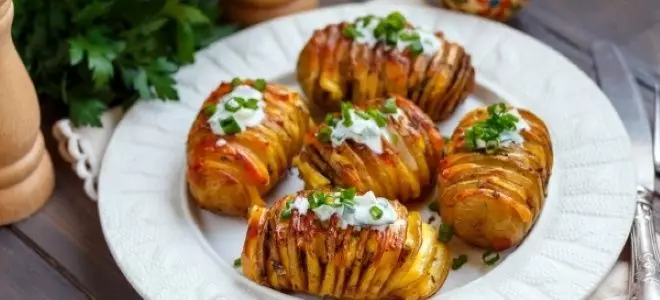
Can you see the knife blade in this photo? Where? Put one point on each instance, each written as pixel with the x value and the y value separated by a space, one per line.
pixel 617 82
pixel 619 85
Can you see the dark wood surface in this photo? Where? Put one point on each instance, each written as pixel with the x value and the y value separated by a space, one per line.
pixel 60 252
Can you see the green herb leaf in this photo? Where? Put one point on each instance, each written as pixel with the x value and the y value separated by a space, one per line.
pixel 490 257
pixel 251 104
pixel 378 117
pixel 92 11
pixel 346 108
pixel 330 120
pixel 237 262
pixel 230 126
pixel 211 109
pixel 325 134
pixel 260 85
pixel 236 82
pixel 76 52
pixel 185 38
pixel 389 106
pixel 232 105
pixel 286 212
pixel 459 261
pixel 376 212
pixel 445 233
pixel 351 32
pixel 86 111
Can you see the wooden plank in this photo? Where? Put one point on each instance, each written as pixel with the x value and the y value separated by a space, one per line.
pixel 67 228
pixel 25 275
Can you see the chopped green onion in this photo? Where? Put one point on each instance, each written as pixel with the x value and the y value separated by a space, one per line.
pixel 396 20
pixel 389 106
pixel 237 262
pixel 235 82
pixel 330 120
pixel 325 134
pixel 445 233
pixel 351 32
pixel 362 115
pixel 378 117
pixel 490 257
pixel 416 48
pixel 230 126
pixel 210 110
pixel 459 261
pixel 260 85
pixel 232 106
pixel 366 20
pixel 251 104
pixel 346 107
pixel 391 38
pixel 409 36
pixel 286 213
pixel 348 194
pixel 486 133
pixel 446 138
pixel 433 206
pixel 376 212
pixel 496 109
pixel 239 100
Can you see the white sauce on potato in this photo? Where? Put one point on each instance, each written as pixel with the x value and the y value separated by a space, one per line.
pixel 430 42
pixel 358 215
pixel 362 131
pixel 245 117
pixel 507 138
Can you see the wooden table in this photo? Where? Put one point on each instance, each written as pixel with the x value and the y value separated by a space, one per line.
pixel 60 252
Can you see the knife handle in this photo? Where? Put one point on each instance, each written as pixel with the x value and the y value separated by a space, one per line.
pixel 646 263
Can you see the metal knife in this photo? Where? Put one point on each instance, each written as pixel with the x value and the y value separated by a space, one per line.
pixel 617 82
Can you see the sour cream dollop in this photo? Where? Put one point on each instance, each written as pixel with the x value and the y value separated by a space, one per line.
pixel 245 117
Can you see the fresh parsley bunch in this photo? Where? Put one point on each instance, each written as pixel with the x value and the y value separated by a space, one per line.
pixel 99 53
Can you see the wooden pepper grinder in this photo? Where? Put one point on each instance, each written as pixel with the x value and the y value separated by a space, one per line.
pixel 26 171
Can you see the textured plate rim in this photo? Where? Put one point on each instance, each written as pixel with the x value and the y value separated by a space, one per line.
pixel 575 172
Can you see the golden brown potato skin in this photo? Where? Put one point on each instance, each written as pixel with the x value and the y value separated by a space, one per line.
pixel 331 68
pixel 232 178
pixel 299 254
pixel 404 171
pixel 492 200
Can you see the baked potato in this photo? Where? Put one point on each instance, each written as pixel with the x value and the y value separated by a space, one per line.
pixel 379 57
pixel 298 246
pixel 492 190
pixel 398 162
pixel 232 164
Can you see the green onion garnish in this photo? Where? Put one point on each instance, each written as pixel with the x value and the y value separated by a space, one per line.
pixel 433 206
pixel 232 105
pixel 445 233
pixel 459 261
pixel 251 104
pixel 260 85
pixel 392 38
pixel 488 131
pixel 409 36
pixel 416 48
pixel 237 262
pixel 376 212
pixel 378 117
pixel 286 213
pixel 346 107
pixel 230 126
pixel 210 110
pixel 490 257
pixel 325 134
pixel 348 194
pixel 366 20
pixel 446 138
pixel 362 115
pixel 235 82
pixel 351 32
pixel 330 120
pixel 389 106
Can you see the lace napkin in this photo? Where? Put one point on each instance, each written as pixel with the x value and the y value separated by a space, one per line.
pixel 84 149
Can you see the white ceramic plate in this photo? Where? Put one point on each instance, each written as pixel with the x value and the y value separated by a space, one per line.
pixel 169 249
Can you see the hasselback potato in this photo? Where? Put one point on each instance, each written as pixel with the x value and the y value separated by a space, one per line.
pixel 340 244
pixel 494 176
pixel 392 149
pixel 378 57
pixel 242 143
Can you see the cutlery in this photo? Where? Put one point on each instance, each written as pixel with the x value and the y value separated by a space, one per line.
pixel 617 82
